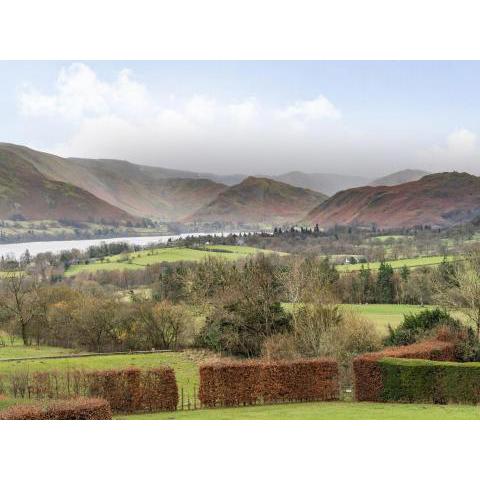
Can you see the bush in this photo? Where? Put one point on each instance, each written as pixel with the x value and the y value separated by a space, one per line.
pixel 239 328
pixel 423 381
pixel 251 382
pixel 416 326
pixel 368 380
pixel 73 409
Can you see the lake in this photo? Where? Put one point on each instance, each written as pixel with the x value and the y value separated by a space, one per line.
pixel 17 249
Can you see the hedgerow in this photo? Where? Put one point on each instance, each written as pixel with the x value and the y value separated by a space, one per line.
pixel 250 382
pixel 425 381
pixel 133 389
pixel 72 409
pixel 127 390
pixel 368 379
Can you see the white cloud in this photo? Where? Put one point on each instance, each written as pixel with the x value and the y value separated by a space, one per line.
pixel 460 151
pixel 79 93
pixel 121 118
pixel 311 110
pixel 461 142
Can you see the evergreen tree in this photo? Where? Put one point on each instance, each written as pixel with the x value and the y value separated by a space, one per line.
pixel 385 284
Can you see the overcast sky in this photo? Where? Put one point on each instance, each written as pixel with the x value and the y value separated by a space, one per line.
pixel 363 118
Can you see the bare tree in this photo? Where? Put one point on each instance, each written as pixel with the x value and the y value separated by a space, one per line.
pixel 457 287
pixel 17 299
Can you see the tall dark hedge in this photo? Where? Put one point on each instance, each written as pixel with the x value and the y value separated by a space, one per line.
pixel 426 381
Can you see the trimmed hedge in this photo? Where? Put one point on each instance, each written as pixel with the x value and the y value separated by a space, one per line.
pixel 133 389
pixel 368 379
pixel 73 409
pixel 424 381
pixel 127 390
pixel 250 382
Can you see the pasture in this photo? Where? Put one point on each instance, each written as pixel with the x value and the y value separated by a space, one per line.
pixel 382 315
pixel 323 411
pixel 397 264
pixel 144 258
pixel 184 364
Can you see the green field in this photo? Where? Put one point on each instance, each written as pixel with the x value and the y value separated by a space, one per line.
pixel 396 264
pixel 324 411
pixel 186 369
pixel 383 315
pixel 18 350
pixel 136 260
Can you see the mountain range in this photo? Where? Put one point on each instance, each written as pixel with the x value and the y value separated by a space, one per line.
pixel 36 185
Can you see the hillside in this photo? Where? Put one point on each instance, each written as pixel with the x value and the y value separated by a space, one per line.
pixel 259 201
pixel 440 199
pixel 27 193
pixel 403 176
pixel 139 190
pixel 327 183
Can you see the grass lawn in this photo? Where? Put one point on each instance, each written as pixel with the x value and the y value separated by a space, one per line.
pixel 186 370
pixel 136 260
pixel 396 264
pixel 324 411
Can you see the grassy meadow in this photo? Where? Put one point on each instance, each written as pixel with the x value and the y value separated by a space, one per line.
pixel 144 258
pixel 382 315
pixel 396 264
pixel 185 366
pixel 323 411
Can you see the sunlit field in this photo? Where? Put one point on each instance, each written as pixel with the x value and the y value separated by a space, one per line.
pixel 144 258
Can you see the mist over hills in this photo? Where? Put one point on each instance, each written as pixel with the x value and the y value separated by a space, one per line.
pixel 259 200
pixel 396 178
pixel 327 183
pixel 26 193
pixel 38 185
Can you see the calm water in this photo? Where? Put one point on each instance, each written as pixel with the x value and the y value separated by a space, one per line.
pixel 16 249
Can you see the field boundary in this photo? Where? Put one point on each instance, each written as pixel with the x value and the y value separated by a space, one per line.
pixel 83 355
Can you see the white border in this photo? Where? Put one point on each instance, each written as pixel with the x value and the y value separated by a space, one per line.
pixel 239 29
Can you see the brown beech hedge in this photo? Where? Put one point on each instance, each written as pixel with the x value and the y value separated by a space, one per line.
pixel 233 383
pixel 133 389
pixel 127 390
pixel 368 380
pixel 73 409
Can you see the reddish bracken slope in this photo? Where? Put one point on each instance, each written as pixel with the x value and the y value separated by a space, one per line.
pixel 440 199
pixel 259 200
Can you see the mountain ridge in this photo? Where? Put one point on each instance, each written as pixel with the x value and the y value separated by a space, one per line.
pixel 440 199
pixel 258 200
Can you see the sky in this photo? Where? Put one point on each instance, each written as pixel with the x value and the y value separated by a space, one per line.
pixel 259 117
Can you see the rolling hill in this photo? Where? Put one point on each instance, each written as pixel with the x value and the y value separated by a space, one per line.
pixel 440 199
pixel 403 176
pixel 25 193
pixel 140 190
pixel 258 201
pixel 327 183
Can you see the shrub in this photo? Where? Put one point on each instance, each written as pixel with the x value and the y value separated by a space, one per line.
pixel 251 382
pixel 416 326
pixel 73 409
pixel 429 381
pixel 368 381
